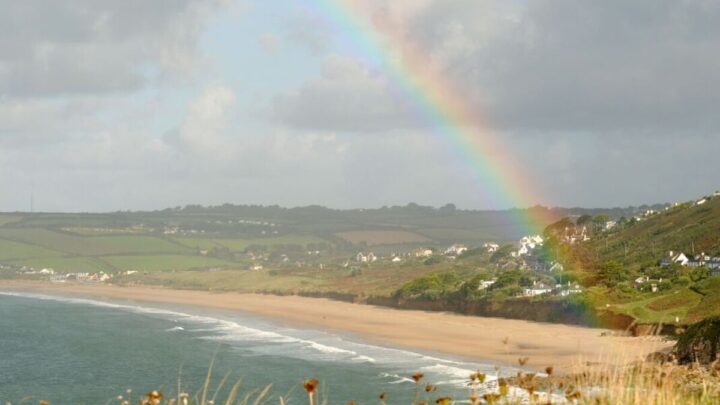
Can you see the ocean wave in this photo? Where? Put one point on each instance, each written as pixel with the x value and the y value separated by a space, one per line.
pixel 443 371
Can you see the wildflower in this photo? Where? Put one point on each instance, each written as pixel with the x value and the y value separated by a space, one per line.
pixel 382 396
pixel 523 360
pixel 119 398
pixel 44 402
pixel 443 401
pixel 491 398
pixel 503 387
pixel 549 370
pixel 153 398
pixel 474 399
pixel 430 388
pixel 480 377
pixel 573 396
pixel 184 398
pixel 310 385
pixel 417 377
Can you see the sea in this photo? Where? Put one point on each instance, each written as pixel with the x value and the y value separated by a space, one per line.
pixel 70 350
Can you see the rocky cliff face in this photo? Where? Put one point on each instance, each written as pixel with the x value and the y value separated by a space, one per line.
pixel 699 343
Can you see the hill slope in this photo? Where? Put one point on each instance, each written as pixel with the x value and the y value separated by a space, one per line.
pixel 623 265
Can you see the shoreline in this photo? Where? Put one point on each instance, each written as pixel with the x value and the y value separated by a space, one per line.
pixel 567 348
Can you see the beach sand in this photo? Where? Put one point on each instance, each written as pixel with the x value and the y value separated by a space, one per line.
pixel 567 348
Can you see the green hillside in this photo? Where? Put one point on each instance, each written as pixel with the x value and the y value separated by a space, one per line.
pixel 612 260
pixel 687 228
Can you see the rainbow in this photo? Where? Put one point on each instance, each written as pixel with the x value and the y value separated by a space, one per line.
pixel 437 103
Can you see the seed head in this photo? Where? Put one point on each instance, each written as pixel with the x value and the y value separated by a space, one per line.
pixel 418 376
pixel 310 385
pixel 443 401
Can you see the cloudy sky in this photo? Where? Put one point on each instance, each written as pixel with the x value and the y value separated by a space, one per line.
pixel 108 105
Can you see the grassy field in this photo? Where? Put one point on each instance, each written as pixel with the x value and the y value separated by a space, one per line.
pixel 240 244
pixel 381 280
pixel 11 250
pixel 382 237
pixel 66 264
pixel 662 309
pixel 9 218
pixel 163 262
pixel 91 245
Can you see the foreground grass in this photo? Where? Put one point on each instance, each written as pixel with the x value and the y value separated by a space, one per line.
pixel 641 383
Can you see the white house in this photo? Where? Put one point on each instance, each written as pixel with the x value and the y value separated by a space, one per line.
pixel 365 258
pixel 537 289
pixel 570 289
pixel 556 266
pixel 456 249
pixel 491 247
pixel 484 284
pixel 679 258
pixel 396 259
pixel 422 252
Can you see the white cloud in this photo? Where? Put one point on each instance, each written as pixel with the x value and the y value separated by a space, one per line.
pixel 207 118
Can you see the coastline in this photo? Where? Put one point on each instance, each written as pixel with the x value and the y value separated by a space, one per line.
pixel 566 348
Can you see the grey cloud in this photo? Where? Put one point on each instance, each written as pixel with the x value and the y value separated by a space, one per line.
pixel 88 46
pixel 347 97
pixel 646 67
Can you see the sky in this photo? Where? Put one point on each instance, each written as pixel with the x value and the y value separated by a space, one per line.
pixel 139 105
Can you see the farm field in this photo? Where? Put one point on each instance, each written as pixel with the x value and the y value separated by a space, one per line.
pixel 11 250
pixel 162 262
pixel 66 264
pixel 239 244
pixel 372 238
pixel 91 245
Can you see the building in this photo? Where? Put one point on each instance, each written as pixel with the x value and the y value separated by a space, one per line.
pixel 361 257
pixel 537 289
pixel 491 247
pixel 456 250
pixel 673 258
pixel 422 252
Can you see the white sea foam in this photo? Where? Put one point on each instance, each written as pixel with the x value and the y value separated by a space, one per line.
pixel 295 342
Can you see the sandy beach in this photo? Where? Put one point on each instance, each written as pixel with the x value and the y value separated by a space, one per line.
pixel 565 347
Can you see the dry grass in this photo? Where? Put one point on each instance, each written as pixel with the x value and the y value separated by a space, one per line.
pixel 637 384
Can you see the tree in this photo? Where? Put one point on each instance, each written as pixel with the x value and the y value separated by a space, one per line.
pixel 612 273
pixel 448 208
pixel 502 253
pixel 599 222
pixel 584 220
